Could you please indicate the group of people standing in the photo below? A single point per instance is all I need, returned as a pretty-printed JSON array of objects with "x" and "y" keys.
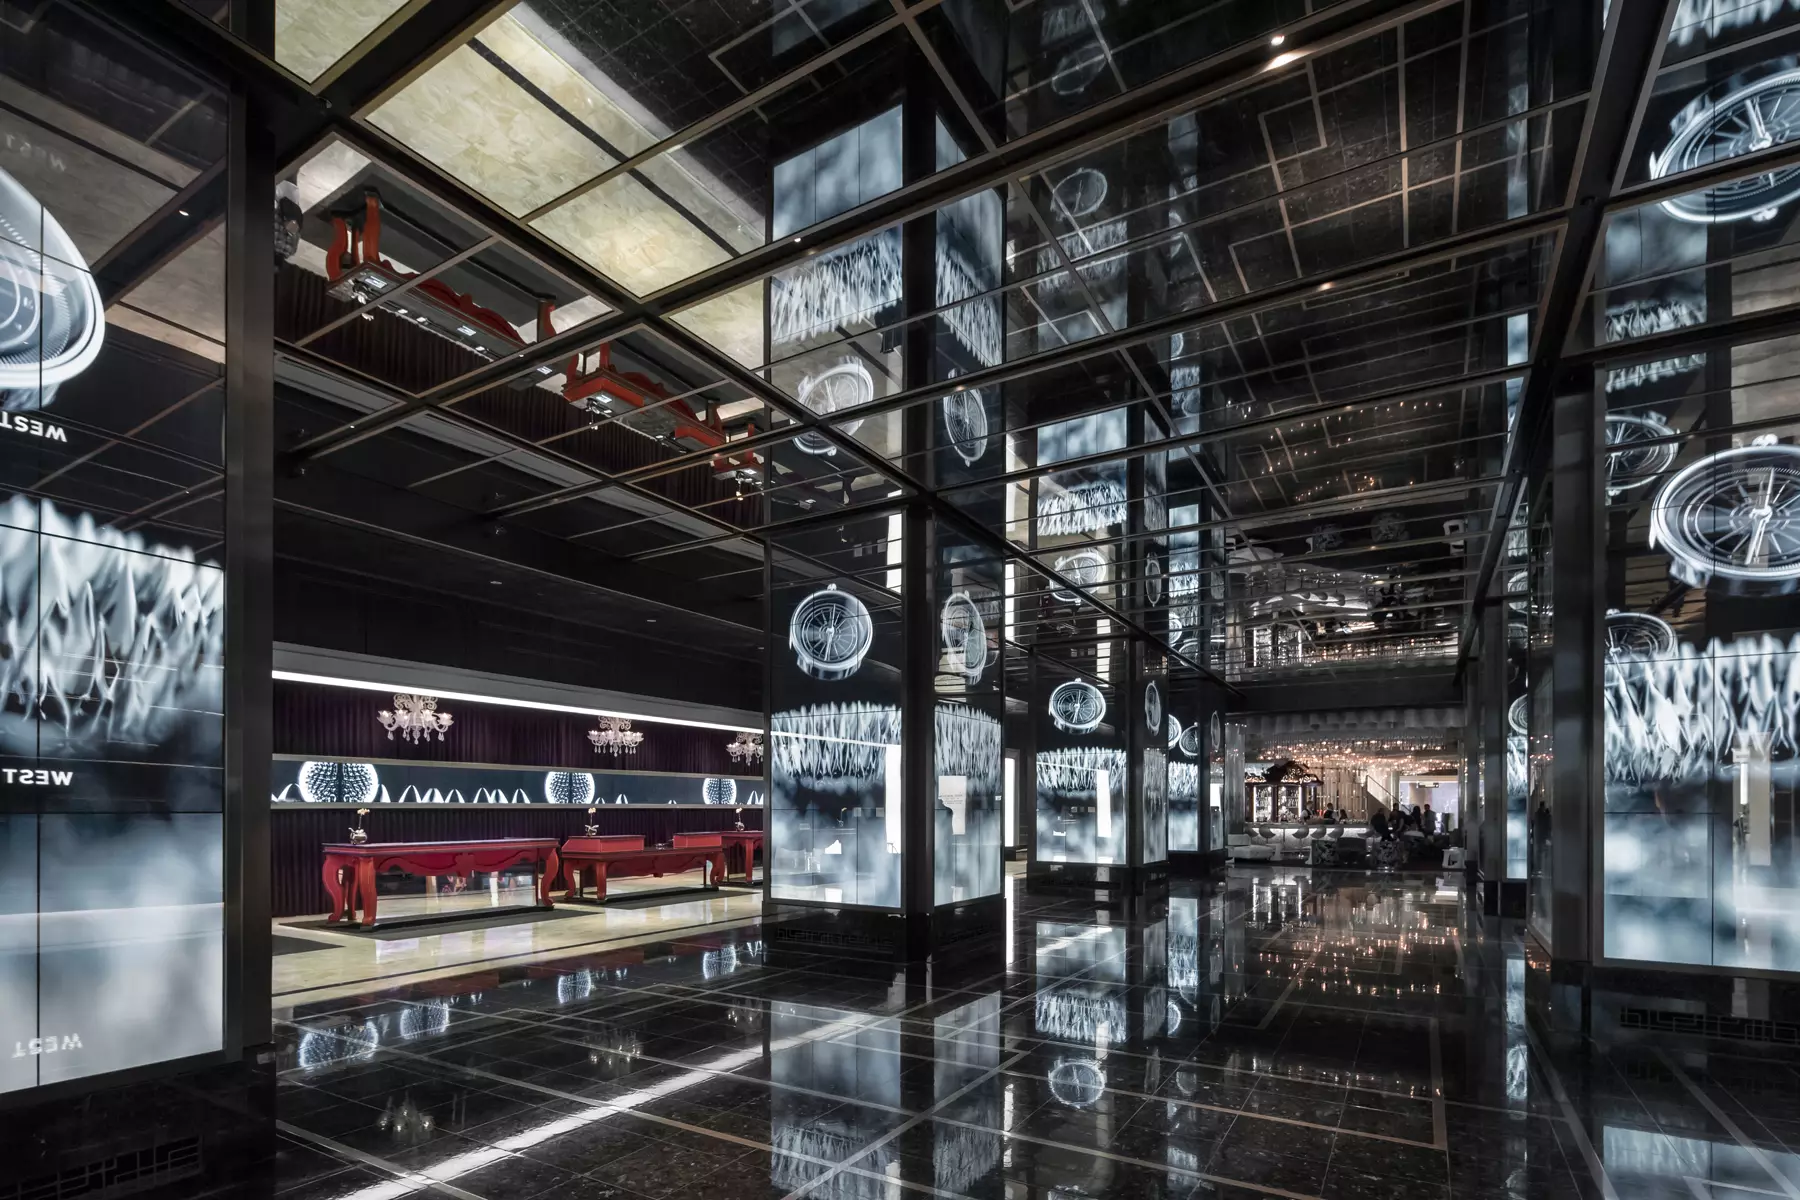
[{"x": 1418, "y": 819}]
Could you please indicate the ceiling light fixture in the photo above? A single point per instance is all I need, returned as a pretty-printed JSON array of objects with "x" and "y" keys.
[
  {"x": 615, "y": 735},
  {"x": 745, "y": 748},
  {"x": 1278, "y": 39},
  {"x": 414, "y": 717},
  {"x": 1281, "y": 60},
  {"x": 504, "y": 701}
]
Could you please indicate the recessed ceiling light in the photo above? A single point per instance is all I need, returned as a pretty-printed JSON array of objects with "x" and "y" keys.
[
  {"x": 1281, "y": 60},
  {"x": 796, "y": 237},
  {"x": 182, "y": 211},
  {"x": 1278, "y": 39},
  {"x": 495, "y": 582},
  {"x": 649, "y": 620}
]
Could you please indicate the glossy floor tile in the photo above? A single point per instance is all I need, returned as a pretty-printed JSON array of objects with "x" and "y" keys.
[
  {"x": 350, "y": 963},
  {"x": 1263, "y": 1034}
]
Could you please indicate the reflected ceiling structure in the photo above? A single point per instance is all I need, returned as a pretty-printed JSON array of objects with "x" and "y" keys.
[{"x": 545, "y": 310}]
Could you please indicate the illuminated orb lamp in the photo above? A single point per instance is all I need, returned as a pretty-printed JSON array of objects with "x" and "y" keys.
[
  {"x": 719, "y": 791},
  {"x": 1732, "y": 520},
  {"x": 1153, "y": 709},
  {"x": 339, "y": 783},
  {"x": 830, "y": 633},
  {"x": 568, "y": 787},
  {"x": 1077, "y": 707},
  {"x": 1755, "y": 117},
  {"x": 52, "y": 322}
]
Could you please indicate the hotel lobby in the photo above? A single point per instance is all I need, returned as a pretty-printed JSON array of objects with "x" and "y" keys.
[{"x": 865, "y": 599}]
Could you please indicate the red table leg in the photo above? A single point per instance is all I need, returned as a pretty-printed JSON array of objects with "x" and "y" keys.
[
  {"x": 547, "y": 878},
  {"x": 600, "y": 882},
  {"x": 365, "y": 886},
  {"x": 334, "y": 885},
  {"x": 571, "y": 882},
  {"x": 717, "y": 862}
]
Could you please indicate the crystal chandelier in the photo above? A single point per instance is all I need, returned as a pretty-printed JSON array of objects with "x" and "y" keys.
[
  {"x": 415, "y": 718},
  {"x": 616, "y": 735},
  {"x": 745, "y": 748}
]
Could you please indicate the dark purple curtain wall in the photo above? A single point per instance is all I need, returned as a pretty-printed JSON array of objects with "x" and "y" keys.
[{"x": 333, "y": 722}]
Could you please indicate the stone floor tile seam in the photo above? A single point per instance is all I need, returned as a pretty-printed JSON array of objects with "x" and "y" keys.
[
  {"x": 1097, "y": 1152},
  {"x": 418, "y": 1180}
]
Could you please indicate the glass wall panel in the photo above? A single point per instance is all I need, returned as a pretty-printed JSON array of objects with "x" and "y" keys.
[
  {"x": 969, "y": 739},
  {"x": 835, "y": 717},
  {"x": 1081, "y": 760},
  {"x": 112, "y": 947}
]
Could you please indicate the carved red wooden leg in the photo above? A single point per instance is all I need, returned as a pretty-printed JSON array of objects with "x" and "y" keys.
[
  {"x": 547, "y": 878},
  {"x": 365, "y": 885},
  {"x": 600, "y": 882},
  {"x": 334, "y": 887},
  {"x": 571, "y": 874}
]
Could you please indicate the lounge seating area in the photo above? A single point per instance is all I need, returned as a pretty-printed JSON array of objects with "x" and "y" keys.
[{"x": 1320, "y": 845}]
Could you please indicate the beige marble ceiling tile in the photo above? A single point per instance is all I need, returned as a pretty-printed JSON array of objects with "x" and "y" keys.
[
  {"x": 624, "y": 231},
  {"x": 469, "y": 119},
  {"x": 564, "y": 84},
  {"x": 732, "y": 322},
  {"x": 311, "y": 35}
]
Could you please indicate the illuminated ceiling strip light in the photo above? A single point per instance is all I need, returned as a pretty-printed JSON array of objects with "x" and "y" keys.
[{"x": 473, "y": 698}]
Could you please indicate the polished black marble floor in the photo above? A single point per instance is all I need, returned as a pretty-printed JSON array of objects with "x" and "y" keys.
[{"x": 1265, "y": 1034}]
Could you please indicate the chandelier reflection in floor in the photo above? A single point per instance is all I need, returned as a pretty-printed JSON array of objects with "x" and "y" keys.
[
  {"x": 615, "y": 736},
  {"x": 415, "y": 718}
]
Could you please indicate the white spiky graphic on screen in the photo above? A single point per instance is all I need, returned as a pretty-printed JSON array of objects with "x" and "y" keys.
[
  {"x": 106, "y": 639},
  {"x": 849, "y": 284},
  {"x": 1680, "y": 716}
]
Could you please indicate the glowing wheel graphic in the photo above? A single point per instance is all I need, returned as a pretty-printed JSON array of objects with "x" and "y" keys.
[
  {"x": 965, "y": 634},
  {"x": 1080, "y": 192},
  {"x": 829, "y": 633},
  {"x": 1516, "y": 718},
  {"x": 1215, "y": 735},
  {"x": 1077, "y": 69},
  {"x": 1755, "y": 117},
  {"x": 845, "y": 386},
  {"x": 1635, "y": 638},
  {"x": 966, "y": 425},
  {"x": 1190, "y": 739},
  {"x": 1733, "y": 518},
  {"x": 1639, "y": 635},
  {"x": 1632, "y": 464},
  {"x": 1153, "y": 580},
  {"x": 51, "y": 318},
  {"x": 1174, "y": 731},
  {"x": 1077, "y": 707},
  {"x": 1153, "y": 713},
  {"x": 1086, "y": 569},
  {"x": 1078, "y": 1083}
]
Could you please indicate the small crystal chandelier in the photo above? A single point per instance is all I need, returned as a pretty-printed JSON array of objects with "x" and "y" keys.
[
  {"x": 616, "y": 735},
  {"x": 745, "y": 748},
  {"x": 415, "y": 717}
]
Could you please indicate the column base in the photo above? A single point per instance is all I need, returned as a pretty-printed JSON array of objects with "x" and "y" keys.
[
  {"x": 1196, "y": 864},
  {"x": 950, "y": 933},
  {"x": 1503, "y": 898},
  {"x": 1104, "y": 883}
]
